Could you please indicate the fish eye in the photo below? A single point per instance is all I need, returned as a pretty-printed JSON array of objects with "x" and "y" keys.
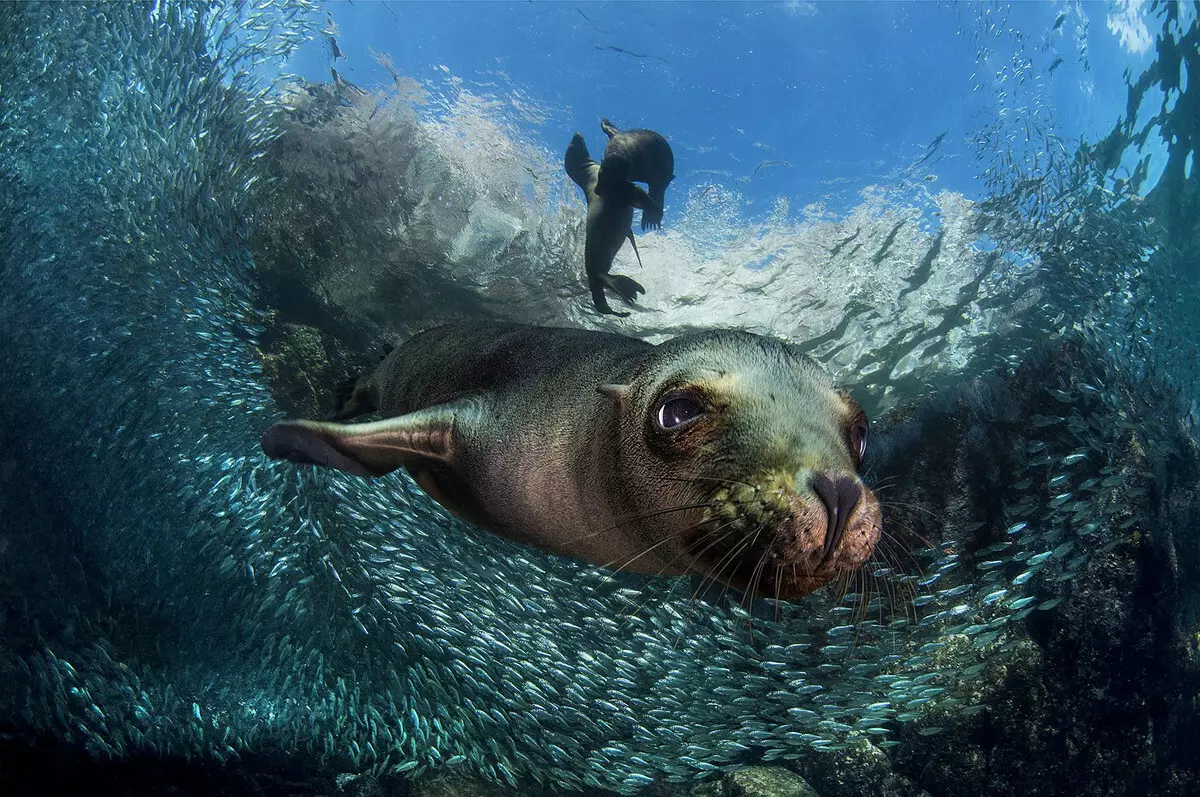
[
  {"x": 858, "y": 439},
  {"x": 676, "y": 410}
]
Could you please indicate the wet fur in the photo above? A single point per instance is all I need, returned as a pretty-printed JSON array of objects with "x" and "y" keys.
[{"x": 552, "y": 444}]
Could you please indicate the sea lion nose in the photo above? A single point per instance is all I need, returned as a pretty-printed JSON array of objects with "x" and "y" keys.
[{"x": 840, "y": 494}]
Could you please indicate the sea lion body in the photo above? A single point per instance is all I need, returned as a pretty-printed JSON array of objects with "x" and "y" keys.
[
  {"x": 567, "y": 440},
  {"x": 609, "y": 225},
  {"x": 526, "y": 473},
  {"x": 642, "y": 156}
]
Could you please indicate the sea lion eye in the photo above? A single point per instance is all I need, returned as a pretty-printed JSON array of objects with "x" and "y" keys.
[
  {"x": 858, "y": 439},
  {"x": 677, "y": 410}
]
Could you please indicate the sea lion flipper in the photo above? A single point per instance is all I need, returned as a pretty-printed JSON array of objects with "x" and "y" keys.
[
  {"x": 633, "y": 243},
  {"x": 597, "y": 283},
  {"x": 370, "y": 449},
  {"x": 609, "y": 128},
  {"x": 578, "y": 162},
  {"x": 651, "y": 218},
  {"x": 639, "y": 198},
  {"x": 626, "y": 287},
  {"x": 626, "y": 192}
]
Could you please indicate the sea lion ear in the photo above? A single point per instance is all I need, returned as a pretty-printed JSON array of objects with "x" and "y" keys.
[
  {"x": 616, "y": 392},
  {"x": 368, "y": 449}
]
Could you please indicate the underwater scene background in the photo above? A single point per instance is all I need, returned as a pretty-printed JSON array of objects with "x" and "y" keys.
[{"x": 981, "y": 218}]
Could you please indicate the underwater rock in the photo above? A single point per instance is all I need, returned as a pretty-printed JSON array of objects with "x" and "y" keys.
[
  {"x": 304, "y": 366},
  {"x": 457, "y": 786},
  {"x": 1097, "y": 694},
  {"x": 767, "y": 782}
]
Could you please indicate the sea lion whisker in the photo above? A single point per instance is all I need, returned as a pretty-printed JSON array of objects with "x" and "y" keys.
[
  {"x": 688, "y": 567},
  {"x": 706, "y": 536},
  {"x": 751, "y": 593},
  {"x": 857, "y": 614},
  {"x": 704, "y": 577},
  {"x": 876, "y": 581},
  {"x": 725, "y": 586},
  {"x": 887, "y": 480},
  {"x": 753, "y": 583},
  {"x": 886, "y": 483},
  {"x": 865, "y": 592},
  {"x": 731, "y": 556},
  {"x": 760, "y": 571},
  {"x": 714, "y": 574},
  {"x": 631, "y": 560},
  {"x": 908, "y": 505},
  {"x": 893, "y": 551},
  {"x": 841, "y": 586},
  {"x": 887, "y": 534},
  {"x": 717, "y": 479},
  {"x": 897, "y": 592},
  {"x": 888, "y": 587},
  {"x": 901, "y": 526},
  {"x": 643, "y": 516},
  {"x": 676, "y": 557},
  {"x": 890, "y": 608},
  {"x": 678, "y": 581},
  {"x": 778, "y": 588},
  {"x": 903, "y": 551}
]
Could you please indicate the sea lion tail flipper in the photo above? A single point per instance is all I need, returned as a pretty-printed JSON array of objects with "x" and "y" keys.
[
  {"x": 626, "y": 287},
  {"x": 578, "y": 162},
  {"x": 633, "y": 243},
  {"x": 597, "y": 283},
  {"x": 354, "y": 397},
  {"x": 371, "y": 449},
  {"x": 609, "y": 128}
]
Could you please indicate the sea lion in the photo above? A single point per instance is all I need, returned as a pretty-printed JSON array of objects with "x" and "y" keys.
[
  {"x": 724, "y": 454},
  {"x": 609, "y": 223},
  {"x": 641, "y": 156}
]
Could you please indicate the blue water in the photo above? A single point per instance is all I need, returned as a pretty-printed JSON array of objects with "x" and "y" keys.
[
  {"x": 193, "y": 246},
  {"x": 847, "y": 93}
]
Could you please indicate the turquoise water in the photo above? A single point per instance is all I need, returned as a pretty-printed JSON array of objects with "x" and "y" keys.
[{"x": 920, "y": 195}]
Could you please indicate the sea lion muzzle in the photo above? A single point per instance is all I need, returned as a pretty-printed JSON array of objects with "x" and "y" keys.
[{"x": 840, "y": 496}]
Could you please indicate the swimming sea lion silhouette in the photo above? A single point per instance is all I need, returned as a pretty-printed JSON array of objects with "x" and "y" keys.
[{"x": 609, "y": 224}]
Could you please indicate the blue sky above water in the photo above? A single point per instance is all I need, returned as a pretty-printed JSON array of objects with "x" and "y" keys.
[{"x": 845, "y": 93}]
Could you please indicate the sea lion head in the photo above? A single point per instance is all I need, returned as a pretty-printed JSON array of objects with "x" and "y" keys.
[{"x": 743, "y": 459}]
